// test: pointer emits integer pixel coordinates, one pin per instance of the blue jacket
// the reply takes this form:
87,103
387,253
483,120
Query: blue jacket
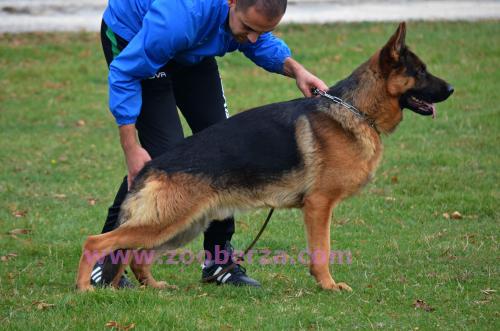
183,30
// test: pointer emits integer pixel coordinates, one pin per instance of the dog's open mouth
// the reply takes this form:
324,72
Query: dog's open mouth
419,106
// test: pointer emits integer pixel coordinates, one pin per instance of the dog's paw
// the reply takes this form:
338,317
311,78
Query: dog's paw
85,288
332,286
343,287
159,285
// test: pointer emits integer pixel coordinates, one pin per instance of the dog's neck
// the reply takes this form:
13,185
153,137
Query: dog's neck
359,90
366,90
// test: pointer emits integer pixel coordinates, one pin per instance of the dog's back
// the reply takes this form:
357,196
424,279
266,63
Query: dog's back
246,150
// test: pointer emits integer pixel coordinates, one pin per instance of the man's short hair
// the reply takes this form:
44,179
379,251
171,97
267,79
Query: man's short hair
270,8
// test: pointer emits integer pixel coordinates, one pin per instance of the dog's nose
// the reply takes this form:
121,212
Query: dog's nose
450,89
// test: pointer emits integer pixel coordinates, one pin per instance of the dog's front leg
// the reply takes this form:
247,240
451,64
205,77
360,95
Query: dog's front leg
317,213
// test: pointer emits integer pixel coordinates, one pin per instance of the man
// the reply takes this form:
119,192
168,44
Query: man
161,55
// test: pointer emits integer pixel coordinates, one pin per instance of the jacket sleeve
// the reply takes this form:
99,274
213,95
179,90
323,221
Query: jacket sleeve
268,52
151,48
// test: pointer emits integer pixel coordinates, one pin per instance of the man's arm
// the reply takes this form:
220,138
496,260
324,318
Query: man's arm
135,155
304,79
273,54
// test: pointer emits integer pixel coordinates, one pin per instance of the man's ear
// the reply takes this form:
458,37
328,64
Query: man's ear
392,50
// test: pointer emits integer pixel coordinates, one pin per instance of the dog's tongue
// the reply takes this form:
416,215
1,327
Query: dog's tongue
433,111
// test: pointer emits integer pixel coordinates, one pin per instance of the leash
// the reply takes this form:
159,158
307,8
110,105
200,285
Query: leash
346,105
233,265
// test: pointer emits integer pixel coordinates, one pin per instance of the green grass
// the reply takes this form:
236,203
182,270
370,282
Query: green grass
52,170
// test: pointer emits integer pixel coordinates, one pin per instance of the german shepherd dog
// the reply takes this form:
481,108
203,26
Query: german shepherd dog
307,153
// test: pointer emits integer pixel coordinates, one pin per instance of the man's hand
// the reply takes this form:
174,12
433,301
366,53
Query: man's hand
136,159
304,79
135,156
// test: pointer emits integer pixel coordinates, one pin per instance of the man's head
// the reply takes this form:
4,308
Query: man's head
248,19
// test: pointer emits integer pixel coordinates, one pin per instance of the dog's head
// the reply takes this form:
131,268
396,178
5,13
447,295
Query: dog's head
407,77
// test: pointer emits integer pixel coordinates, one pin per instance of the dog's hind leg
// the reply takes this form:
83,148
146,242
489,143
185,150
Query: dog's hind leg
317,213
163,207
141,264
124,237
98,246
143,259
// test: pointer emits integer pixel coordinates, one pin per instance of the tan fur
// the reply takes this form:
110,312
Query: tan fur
164,199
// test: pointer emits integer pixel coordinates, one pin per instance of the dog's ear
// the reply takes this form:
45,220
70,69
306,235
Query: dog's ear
391,53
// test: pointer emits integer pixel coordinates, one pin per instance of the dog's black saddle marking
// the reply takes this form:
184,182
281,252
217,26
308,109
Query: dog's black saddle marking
246,150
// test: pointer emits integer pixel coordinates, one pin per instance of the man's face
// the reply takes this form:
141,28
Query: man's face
247,26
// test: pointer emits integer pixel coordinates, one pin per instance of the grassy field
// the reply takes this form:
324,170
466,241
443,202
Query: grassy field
60,164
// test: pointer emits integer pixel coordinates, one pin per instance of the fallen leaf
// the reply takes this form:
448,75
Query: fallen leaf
8,257
488,291
80,123
446,215
487,299
19,231
41,305
114,324
19,213
92,202
53,85
421,304
456,215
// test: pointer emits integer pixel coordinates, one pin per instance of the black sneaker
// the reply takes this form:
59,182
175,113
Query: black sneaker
235,276
97,278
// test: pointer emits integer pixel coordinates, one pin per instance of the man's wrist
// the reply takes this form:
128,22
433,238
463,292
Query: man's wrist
291,67
128,138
